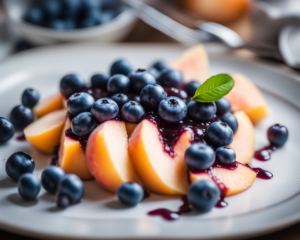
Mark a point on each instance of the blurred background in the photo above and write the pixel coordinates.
(26, 24)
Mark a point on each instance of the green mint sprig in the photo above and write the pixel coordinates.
(214, 88)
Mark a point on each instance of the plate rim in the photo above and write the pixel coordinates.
(282, 223)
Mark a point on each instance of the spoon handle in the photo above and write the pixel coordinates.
(264, 51)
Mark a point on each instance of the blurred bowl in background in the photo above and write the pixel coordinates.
(220, 11)
(113, 31)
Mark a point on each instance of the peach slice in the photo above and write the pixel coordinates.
(236, 180)
(64, 102)
(45, 133)
(158, 171)
(193, 63)
(107, 155)
(247, 97)
(243, 139)
(48, 105)
(72, 156)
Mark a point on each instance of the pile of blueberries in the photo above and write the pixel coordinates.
(20, 165)
(65, 15)
(147, 86)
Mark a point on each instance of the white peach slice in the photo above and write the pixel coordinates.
(72, 156)
(107, 155)
(236, 180)
(158, 171)
(48, 105)
(45, 133)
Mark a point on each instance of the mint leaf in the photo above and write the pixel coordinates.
(214, 88)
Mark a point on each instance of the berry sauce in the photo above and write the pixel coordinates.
(176, 92)
(82, 140)
(146, 194)
(172, 215)
(21, 138)
(261, 173)
(265, 153)
(55, 155)
(170, 133)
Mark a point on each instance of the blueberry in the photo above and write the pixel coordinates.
(109, 4)
(170, 78)
(130, 193)
(225, 155)
(121, 66)
(120, 99)
(91, 4)
(80, 102)
(71, 8)
(223, 106)
(51, 177)
(70, 24)
(71, 186)
(132, 111)
(21, 117)
(30, 98)
(88, 23)
(151, 96)
(188, 102)
(100, 80)
(199, 157)
(35, 16)
(118, 84)
(135, 98)
(105, 109)
(7, 130)
(52, 8)
(94, 14)
(278, 135)
(204, 195)
(159, 65)
(106, 17)
(230, 119)
(29, 186)
(154, 72)
(83, 124)
(191, 88)
(58, 25)
(62, 201)
(219, 134)
(70, 84)
(202, 111)
(172, 109)
(19, 163)
(140, 79)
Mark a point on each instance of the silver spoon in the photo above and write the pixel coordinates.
(208, 31)
(289, 38)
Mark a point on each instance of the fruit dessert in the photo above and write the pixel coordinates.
(163, 130)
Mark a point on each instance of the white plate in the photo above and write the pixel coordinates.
(266, 206)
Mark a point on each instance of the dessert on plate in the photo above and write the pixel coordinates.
(171, 130)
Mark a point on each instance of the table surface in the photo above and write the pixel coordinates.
(144, 33)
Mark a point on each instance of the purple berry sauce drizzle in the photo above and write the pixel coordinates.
(172, 215)
(21, 138)
(170, 133)
(265, 153)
